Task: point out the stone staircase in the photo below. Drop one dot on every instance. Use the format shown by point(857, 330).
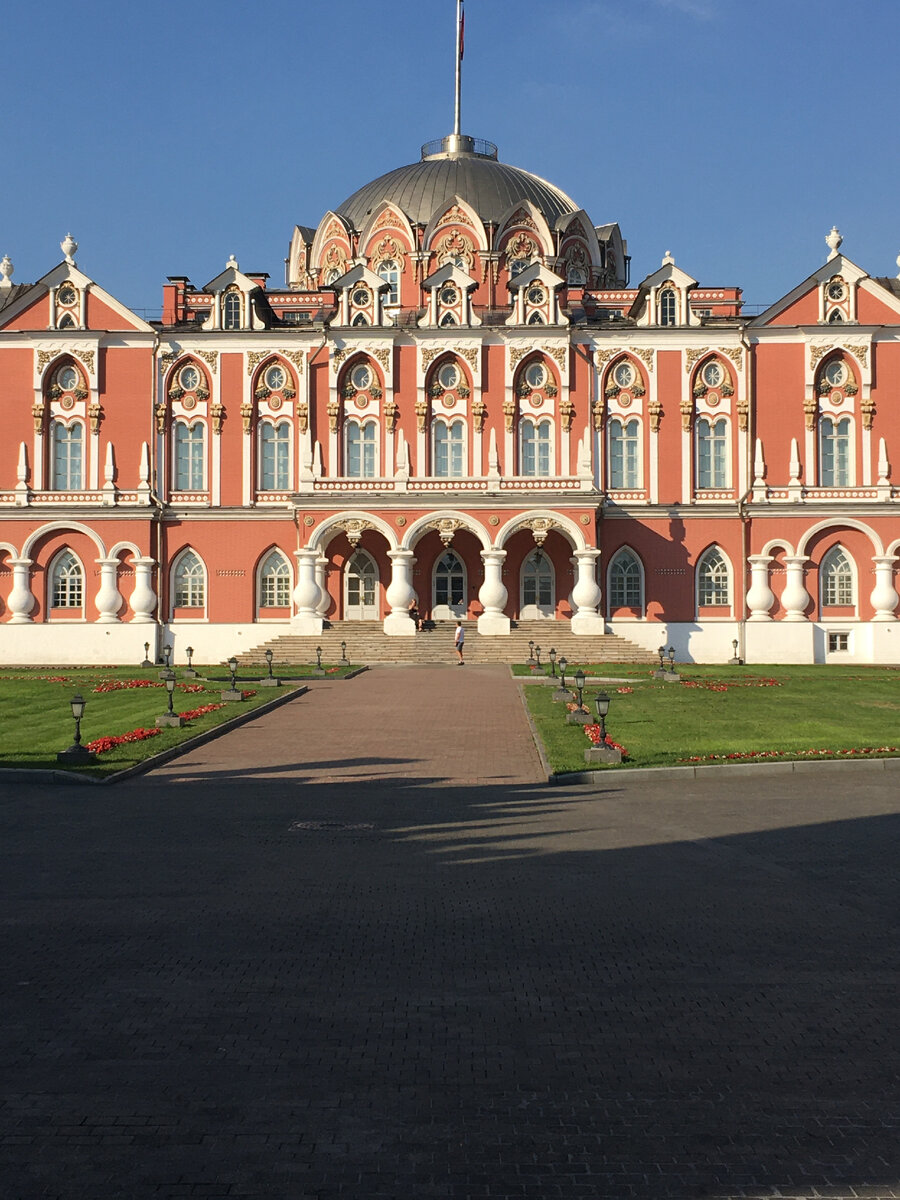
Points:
point(368, 643)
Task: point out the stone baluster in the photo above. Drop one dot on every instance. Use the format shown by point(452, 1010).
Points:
point(794, 598)
point(143, 598)
point(586, 594)
point(109, 598)
point(493, 595)
point(398, 622)
point(307, 596)
point(884, 596)
point(325, 602)
point(20, 601)
point(760, 597)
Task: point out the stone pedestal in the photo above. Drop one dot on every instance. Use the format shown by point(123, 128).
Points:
point(169, 721)
point(232, 694)
point(563, 695)
point(602, 754)
point(268, 681)
point(579, 718)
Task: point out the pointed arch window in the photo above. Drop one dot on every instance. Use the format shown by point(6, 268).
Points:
point(448, 319)
point(390, 273)
point(231, 310)
point(67, 450)
point(668, 312)
point(713, 581)
point(449, 449)
point(834, 452)
point(624, 453)
point(275, 456)
point(361, 449)
point(189, 456)
point(360, 319)
point(189, 580)
point(66, 582)
point(275, 581)
point(534, 447)
point(536, 319)
point(712, 453)
point(626, 581)
point(837, 579)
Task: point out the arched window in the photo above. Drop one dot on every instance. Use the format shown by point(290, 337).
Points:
point(189, 580)
point(67, 449)
point(535, 446)
point(66, 321)
point(626, 581)
point(231, 311)
point(538, 586)
point(275, 456)
point(449, 449)
point(275, 582)
point(390, 273)
point(713, 583)
point(576, 277)
point(189, 455)
point(837, 578)
point(624, 448)
point(360, 319)
point(834, 452)
point(66, 582)
point(449, 587)
point(448, 319)
point(667, 307)
point(836, 317)
point(712, 453)
point(517, 266)
point(360, 449)
point(536, 319)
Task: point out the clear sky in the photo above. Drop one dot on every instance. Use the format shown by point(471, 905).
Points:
point(166, 136)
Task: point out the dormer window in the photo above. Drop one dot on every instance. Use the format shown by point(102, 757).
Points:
point(359, 319)
point(67, 379)
point(361, 297)
point(517, 266)
point(667, 308)
point(836, 317)
point(231, 311)
point(536, 294)
point(836, 374)
point(390, 273)
point(449, 295)
point(576, 277)
point(836, 290)
point(535, 319)
point(66, 297)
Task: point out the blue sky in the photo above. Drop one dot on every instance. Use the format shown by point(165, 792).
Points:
point(167, 136)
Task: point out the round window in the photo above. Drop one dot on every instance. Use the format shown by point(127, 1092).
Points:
point(536, 295)
point(836, 373)
point(449, 295)
point(835, 290)
point(189, 378)
point(624, 375)
point(360, 297)
point(448, 376)
point(66, 295)
point(67, 379)
point(275, 378)
point(361, 377)
point(713, 375)
point(535, 375)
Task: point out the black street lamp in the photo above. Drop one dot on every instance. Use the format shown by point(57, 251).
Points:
point(662, 657)
point(76, 753)
point(232, 667)
point(320, 670)
point(189, 651)
point(563, 663)
point(167, 656)
point(170, 688)
point(269, 662)
point(601, 700)
point(671, 658)
point(344, 658)
point(537, 651)
point(579, 686)
point(531, 651)
point(146, 662)
point(552, 662)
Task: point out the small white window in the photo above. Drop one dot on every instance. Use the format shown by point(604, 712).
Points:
point(67, 449)
point(275, 455)
point(361, 377)
point(535, 447)
point(275, 582)
point(837, 579)
point(624, 375)
point(449, 449)
point(834, 452)
point(713, 585)
point(361, 449)
point(67, 582)
point(624, 453)
point(713, 374)
point(190, 581)
point(390, 273)
point(838, 643)
point(189, 378)
point(667, 307)
point(712, 453)
point(275, 377)
point(448, 376)
point(231, 311)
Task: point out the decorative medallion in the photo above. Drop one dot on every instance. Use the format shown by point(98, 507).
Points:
point(189, 402)
point(386, 250)
point(354, 529)
point(494, 521)
point(452, 247)
point(275, 402)
point(67, 402)
point(584, 519)
point(540, 527)
point(401, 521)
point(309, 520)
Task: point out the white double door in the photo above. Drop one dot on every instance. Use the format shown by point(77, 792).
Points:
point(538, 598)
point(361, 588)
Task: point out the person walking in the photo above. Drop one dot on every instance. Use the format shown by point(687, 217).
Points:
point(459, 641)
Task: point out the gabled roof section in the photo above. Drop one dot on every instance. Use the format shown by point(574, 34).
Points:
point(667, 273)
point(450, 273)
point(232, 276)
point(67, 272)
point(536, 273)
point(836, 265)
point(360, 274)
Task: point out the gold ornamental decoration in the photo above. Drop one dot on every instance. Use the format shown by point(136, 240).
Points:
point(37, 412)
point(247, 415)
point(160, 412)
point(735, 353)
point(211, 358)
point(429, 355)
point(354, 529)
point(303, 416)
point(386, 250)
point(446, 527)
point(599, 411)
point(383, 354)
point(810, 412)
point(338, 354)
point(294, 356)
point(254, 358)
point(687, 412)
point(168, 357)
point(743, 412)
point(333, 408)
point(867, 409)
point(478, 411)
point(95, 415)
point(44, 357)
point(691, 356)
point(654, 410)
point(391, 412)
point(455, 216)
point(560, 353)
point(540, 527)
point(217, 412)
point(509, 414)
point(421, 414)
point(566, 413)
point(454, 246)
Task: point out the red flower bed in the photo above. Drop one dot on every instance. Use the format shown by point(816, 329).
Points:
point(101, 745)
point(200, 712)
point(121, 685)
point(594, 736)
point(755, 755)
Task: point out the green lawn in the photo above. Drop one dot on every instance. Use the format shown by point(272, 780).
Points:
point(726, 711)
point(37, 716)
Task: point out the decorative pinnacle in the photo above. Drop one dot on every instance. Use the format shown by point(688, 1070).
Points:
point(68, 246)
point(833, 242)
point(668, 259)
point(6, 270)
point(232, 262)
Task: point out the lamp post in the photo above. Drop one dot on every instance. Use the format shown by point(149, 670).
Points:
point(232, 667)
point(167, 660)
point(671, 658)
point(662, 656)
point(531, 650)
point(76, 753)
point(579, 716)
point(735, 661)
point(602, 752)
point(269, 662)
point(562, 692)
point(189, 669)
point(269, 680)
point(579, 686)
point(232, 692)
point(320, 670)
point(601, 700)
point(537, 653)
point(552, 662)
point(344, 658)
point(670, 674)
point(146, 662)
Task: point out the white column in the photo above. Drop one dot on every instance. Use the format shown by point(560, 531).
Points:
point(794, 598)
point(586, 595)
point(760, 597)
point(20, 601)
point(884, 597)
point(398, 622)
point(109, 598)
point(143, 598)
point(493, 622)
point(306, 620)
point(325, 602)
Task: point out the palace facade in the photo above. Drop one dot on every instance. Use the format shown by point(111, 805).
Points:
point(456, 396)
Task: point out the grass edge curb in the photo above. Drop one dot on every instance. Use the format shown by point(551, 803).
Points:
point(592, 778)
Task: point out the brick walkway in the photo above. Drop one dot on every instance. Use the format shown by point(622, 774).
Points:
point(307, 963)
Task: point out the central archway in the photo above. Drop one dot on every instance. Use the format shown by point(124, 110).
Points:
point(360, 588)
point(449, 587)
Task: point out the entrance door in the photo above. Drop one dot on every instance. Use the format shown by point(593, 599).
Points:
point(538, 587)
point(360, 584)
point(449, 589)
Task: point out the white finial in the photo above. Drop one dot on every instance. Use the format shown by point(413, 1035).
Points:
point(898, 264)
point(6, 270)
point(68, 246)
point(833, 242)
point(232, 262)
point(668, 260)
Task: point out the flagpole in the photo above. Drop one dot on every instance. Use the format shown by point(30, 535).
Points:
point(459, 4)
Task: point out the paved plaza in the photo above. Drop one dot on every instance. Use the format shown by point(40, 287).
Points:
point(357, 949)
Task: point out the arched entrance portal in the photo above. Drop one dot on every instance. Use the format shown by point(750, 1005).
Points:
point(449, 587)
point(360, 588)
point(538, 581)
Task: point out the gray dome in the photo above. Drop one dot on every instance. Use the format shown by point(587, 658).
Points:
point(456, 166)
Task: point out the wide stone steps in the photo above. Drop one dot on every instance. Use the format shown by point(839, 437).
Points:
point(366, 642)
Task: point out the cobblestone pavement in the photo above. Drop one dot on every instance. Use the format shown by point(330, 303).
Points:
point(314, 959)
